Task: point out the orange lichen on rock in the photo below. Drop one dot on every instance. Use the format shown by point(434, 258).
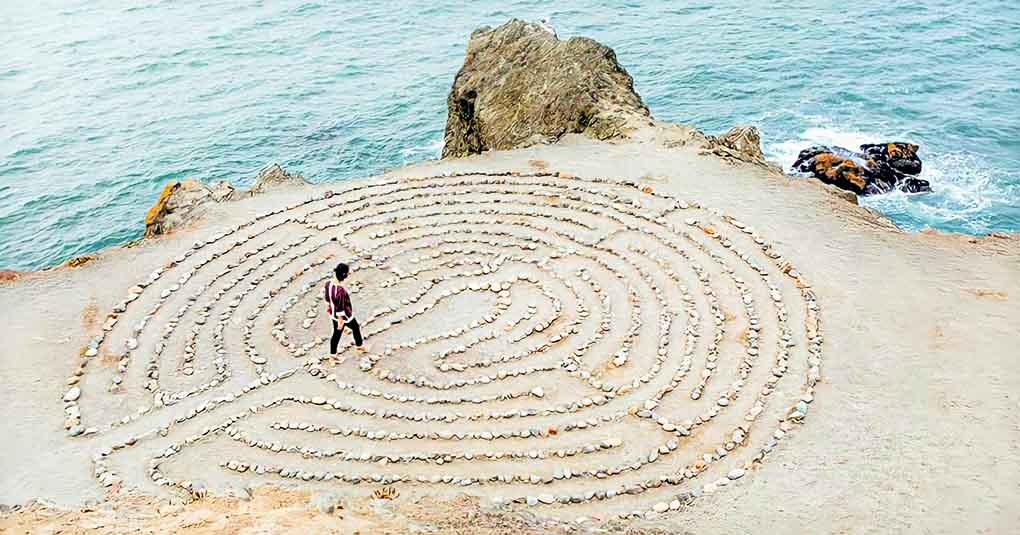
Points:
point(80, 261)
point(155, 213)
point(840, 171)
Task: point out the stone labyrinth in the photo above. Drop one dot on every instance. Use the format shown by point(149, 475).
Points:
point(588, 347)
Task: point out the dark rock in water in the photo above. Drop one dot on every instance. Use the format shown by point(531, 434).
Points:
point(520, 85)
point(877, 168)
point(900, 156)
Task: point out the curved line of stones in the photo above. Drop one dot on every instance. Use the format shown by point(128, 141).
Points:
point(815, 337)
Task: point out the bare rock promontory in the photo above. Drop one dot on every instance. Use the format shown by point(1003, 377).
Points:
point(521, 85)
point(183, 201)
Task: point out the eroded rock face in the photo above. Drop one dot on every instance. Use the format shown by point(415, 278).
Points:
point(521, 85)
point(273, 176)
point(740, 143)
point(877, 168)
point(179, 202)
point(183, 201)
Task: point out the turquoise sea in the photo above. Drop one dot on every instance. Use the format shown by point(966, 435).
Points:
point(103, 102)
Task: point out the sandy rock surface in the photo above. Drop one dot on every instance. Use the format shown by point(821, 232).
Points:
point(911, 424)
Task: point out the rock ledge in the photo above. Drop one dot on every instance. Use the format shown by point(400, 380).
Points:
point(183, 201)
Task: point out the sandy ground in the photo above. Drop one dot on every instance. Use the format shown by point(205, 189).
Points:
point(274, 510)
point(914, 429)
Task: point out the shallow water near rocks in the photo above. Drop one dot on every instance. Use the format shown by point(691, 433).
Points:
point(113, 99)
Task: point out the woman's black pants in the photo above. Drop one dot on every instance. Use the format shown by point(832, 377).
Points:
point(338, 329)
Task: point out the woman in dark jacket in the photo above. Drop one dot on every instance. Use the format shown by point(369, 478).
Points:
point(340, 310)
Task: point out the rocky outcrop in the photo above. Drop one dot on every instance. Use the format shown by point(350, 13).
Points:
point(272, 177)
point(877, 168)
point(741, 144)
point(521, 85)
point(183, 201)
point(179, 202)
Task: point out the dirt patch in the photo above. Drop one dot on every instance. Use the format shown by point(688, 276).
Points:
point(88, 316)
point(985, 293)
point(275, 510)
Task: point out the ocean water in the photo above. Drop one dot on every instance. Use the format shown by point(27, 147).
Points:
point(103, 102)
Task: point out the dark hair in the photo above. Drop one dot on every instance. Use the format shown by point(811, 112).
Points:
point(341, 271)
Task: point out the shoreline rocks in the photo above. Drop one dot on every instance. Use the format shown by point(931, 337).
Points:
point(183, 201)
point(741, 143)
point(521, 85)
point(877, 168)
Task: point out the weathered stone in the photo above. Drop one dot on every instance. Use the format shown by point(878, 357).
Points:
point(273, 176)
point(879, 168)
point(740, 143)
point(327, 502)
point(184, 201)
point(521, 85)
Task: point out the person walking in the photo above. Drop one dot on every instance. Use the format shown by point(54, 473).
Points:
point(341, 311)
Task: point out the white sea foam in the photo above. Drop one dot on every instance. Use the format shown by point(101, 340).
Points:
point(965, 188)
point(432, 149)
point(785, 153)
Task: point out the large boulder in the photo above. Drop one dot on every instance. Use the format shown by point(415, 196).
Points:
point(877, 168)
point(521, 85)
point(183, 201)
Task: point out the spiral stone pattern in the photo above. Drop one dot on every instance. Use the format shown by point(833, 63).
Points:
point(585, 346)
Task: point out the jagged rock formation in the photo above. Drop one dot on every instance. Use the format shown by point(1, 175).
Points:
point(273, 176)
point(521, 85)
point(741, 143)
point(183, 201)
point(179, 202)
point(877, 168)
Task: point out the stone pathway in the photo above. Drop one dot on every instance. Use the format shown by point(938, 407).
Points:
point(589, 347)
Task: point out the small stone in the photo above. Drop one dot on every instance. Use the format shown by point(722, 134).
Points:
point(736, 473)
point(73, 394)
point(327, 502)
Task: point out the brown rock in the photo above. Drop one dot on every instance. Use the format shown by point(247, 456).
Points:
point(8, 275)
point(223, 191)
point(877, 168)
point(80, 261)
point(521, 85)
point(741, 143)
point(182, 202)
point(273, 176)
point(178, 203)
